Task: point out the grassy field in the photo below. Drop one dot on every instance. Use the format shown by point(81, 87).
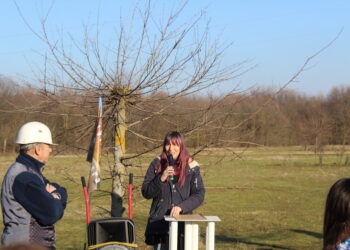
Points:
point(267, 198)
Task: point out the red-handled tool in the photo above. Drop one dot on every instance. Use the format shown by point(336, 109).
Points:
point(87, 203)
point(130, 196)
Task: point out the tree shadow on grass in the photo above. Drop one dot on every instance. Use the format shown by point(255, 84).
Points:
point(313, 234)
point(261, 246)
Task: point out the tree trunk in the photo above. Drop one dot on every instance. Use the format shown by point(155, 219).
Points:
point(119, 171)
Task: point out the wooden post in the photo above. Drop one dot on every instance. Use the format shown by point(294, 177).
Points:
point(5, 143)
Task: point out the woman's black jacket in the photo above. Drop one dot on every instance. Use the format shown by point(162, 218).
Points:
point(188, 197)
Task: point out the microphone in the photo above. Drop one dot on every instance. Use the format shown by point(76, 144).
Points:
point(171, 163)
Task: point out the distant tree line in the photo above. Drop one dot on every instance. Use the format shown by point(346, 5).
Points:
point(259, 117)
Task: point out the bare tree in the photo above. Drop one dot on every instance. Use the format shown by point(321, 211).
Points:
point(142, 77)
point(150, 68)
point(338, 105)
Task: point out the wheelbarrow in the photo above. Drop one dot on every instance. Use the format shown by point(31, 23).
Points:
point(114, 233)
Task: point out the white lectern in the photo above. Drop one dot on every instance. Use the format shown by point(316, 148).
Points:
point(191, 230)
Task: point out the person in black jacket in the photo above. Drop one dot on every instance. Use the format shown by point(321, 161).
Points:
point(31, 205)
point(176, 188)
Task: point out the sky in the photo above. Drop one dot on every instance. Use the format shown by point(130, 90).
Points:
point(275, 36)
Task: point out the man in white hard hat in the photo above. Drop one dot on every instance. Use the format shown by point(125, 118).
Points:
point(31, 205)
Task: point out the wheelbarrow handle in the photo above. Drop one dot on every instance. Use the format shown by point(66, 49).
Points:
point(87, 202)
point(130, 196)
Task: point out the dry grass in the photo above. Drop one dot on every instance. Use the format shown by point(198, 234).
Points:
point(269, 198)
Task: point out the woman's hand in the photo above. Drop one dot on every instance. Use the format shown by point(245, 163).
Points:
point(175, 211)
point(167, 172)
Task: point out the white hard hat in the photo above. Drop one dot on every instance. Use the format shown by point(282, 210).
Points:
point(33, 132)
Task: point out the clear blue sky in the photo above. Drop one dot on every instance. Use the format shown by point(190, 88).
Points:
point(276, 35)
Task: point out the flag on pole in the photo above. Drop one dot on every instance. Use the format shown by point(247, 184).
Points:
point(94, 153)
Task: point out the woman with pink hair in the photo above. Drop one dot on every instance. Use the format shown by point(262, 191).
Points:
point(174, 183)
